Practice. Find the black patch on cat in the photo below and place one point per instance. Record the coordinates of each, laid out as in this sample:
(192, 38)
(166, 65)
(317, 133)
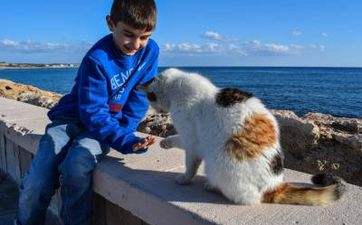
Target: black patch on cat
(340, 190)
(230, 96)
(151, 96)
(277, 163)
(326, 179)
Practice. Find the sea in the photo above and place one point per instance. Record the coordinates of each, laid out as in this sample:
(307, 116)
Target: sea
(335, 91)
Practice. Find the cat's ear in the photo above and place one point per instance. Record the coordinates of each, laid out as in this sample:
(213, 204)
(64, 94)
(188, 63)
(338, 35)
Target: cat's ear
(144, 86)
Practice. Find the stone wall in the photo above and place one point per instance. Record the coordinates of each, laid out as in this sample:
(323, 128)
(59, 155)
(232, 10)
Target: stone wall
(143, 185)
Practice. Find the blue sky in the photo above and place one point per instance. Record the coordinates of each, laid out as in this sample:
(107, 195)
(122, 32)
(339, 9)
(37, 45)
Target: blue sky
(193, 32)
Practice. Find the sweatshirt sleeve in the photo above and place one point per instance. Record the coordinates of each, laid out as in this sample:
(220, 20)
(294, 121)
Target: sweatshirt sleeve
(137, 104)
(94, 110)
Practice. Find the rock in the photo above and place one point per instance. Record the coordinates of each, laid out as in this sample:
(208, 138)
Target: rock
(333, 145)
(157, 124)
(297, 135)
(28, 94)
(339, 130)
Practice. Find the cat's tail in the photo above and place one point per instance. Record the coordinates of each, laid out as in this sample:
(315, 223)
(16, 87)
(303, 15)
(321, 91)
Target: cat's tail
(326, 189)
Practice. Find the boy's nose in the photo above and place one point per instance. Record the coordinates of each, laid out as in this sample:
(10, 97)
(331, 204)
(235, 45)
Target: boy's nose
(136, 44)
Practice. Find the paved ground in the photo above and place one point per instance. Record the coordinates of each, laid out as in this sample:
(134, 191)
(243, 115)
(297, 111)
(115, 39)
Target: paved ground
(9, 200)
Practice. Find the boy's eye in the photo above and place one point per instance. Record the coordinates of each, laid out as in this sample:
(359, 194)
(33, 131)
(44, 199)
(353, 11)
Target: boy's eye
(128, 35)
(151, 96)
(144, 38)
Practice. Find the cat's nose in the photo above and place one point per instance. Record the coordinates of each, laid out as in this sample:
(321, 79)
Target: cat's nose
(141, 87)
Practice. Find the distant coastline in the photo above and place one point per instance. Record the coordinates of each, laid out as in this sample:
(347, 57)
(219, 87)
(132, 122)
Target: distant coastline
(5, 65)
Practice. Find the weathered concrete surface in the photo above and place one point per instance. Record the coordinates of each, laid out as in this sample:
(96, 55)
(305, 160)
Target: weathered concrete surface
(144, 185)
(24, 123)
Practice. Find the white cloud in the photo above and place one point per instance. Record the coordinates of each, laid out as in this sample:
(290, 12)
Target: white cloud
(252, 44)
(208, 48)
(248, 48)
(30, 46)
(228, 46)
(214, 36)
(296, 33)
(324, 34)
(182, 48)
(255, 47)
(321, 48)
(277, 48)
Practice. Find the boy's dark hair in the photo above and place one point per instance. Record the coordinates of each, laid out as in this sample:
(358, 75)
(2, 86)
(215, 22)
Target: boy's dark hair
(139, 14)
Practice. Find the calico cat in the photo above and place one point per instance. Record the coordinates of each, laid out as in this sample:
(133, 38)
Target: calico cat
(238, 139)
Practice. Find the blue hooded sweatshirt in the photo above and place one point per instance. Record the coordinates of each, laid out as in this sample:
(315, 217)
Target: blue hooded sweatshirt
(104, 97)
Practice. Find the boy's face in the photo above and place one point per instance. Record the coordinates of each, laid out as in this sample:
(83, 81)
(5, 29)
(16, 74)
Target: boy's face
(127, 39)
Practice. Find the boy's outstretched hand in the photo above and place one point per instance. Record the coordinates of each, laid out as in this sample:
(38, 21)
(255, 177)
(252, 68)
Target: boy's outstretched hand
(144, 144)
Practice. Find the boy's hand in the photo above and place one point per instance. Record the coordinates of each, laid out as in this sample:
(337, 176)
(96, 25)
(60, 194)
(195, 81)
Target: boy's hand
(144, 143)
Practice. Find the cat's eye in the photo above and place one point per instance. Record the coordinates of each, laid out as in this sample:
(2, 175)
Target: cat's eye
(151, 96)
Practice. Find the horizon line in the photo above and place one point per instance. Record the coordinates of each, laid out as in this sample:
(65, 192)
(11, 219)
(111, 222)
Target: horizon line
(190, 66)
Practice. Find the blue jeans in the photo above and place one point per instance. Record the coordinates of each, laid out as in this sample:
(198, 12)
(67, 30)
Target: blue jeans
(66, 156)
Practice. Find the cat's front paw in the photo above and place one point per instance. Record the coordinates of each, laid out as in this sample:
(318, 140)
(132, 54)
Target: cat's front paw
(183, 180)
(166, 144)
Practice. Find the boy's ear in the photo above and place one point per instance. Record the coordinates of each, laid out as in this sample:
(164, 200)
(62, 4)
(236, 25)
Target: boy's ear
(110, 23)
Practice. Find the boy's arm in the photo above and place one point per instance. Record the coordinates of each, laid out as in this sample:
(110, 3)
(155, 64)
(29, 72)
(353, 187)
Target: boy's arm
(137, 104)
(94, 110)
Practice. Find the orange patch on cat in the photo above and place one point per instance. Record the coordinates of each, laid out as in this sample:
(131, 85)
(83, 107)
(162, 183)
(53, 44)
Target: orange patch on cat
(257, 134)
(288, 193)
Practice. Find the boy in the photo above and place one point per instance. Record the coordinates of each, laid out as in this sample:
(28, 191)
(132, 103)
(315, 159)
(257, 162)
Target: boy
(102, 111)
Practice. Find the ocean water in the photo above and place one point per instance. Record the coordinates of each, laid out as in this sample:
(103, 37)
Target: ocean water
(336, 91)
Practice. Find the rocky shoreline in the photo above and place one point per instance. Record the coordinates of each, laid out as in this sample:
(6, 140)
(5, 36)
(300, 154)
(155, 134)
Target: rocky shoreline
(28, 94)
(312, 143)
(5, 65)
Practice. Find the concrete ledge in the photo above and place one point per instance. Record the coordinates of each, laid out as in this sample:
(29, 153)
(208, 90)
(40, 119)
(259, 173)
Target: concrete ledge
(144, 184)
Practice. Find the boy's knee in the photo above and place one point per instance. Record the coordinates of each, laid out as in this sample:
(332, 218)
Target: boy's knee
(77, 166)
(90, 145)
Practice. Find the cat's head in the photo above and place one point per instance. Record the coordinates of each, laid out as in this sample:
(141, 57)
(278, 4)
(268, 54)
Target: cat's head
(159, 89)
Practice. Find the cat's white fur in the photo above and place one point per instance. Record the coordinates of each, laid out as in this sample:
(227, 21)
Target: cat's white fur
(203, 128)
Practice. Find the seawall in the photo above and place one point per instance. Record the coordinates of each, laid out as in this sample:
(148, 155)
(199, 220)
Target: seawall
(140, 189)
